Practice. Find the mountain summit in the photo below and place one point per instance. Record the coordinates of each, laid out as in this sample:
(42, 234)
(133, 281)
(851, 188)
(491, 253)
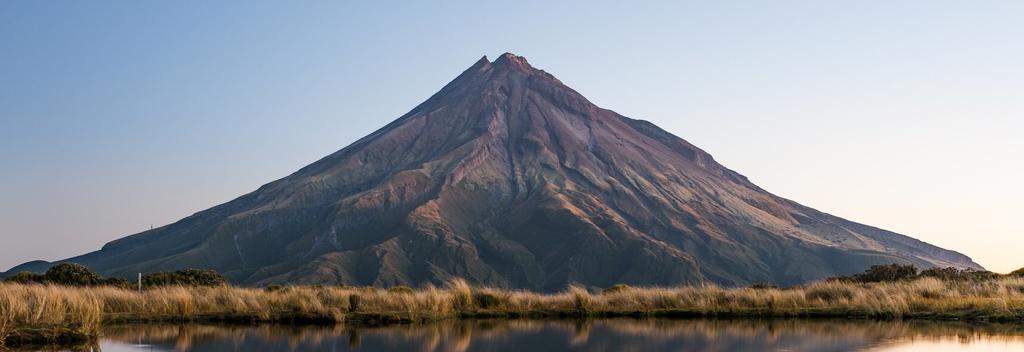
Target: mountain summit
(507, 177)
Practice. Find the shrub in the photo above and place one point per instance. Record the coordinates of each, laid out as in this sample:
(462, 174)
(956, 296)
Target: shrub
(71, 274)
(949, 273)
(486, 300)
(887, 273)
(615, 288)
(954, 274)
(115, 282)
(897, 272)
(404, 290)
(762, 286)
(273, 288)
(68, 274)
(25, 277)
(187, 277)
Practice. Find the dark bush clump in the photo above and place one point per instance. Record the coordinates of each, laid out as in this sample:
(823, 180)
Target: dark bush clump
(486, 300)
(762, 286)
(405, 290)
(71, 274)
(273, 288)
(1018, 272)
(25, 277)
(897, 272)
(187, 277)
(885, 273)
(954, 274)
(941, 273)
(615, 288)
(115, 282)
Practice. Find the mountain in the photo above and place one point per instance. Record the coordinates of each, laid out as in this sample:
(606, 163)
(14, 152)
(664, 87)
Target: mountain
(507, 177)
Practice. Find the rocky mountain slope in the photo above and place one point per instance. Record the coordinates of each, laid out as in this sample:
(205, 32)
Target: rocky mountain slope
(507, 177)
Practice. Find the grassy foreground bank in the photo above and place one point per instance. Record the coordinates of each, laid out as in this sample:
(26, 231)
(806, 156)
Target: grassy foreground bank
(47, 314)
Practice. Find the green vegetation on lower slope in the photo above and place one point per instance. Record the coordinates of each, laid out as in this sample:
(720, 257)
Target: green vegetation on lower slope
(71, 274)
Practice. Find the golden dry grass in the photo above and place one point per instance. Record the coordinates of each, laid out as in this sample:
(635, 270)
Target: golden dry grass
(35, 313)
(28, 309)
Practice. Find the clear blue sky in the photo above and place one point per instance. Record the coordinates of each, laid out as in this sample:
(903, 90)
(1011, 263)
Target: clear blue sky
(116, 115)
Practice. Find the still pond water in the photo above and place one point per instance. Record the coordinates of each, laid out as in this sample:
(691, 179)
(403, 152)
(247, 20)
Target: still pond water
(595, 335)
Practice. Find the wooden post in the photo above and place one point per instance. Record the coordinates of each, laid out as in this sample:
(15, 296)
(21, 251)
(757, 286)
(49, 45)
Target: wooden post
(140, 282)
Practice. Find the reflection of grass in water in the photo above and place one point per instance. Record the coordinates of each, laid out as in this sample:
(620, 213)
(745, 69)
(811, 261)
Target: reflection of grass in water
(185, 336)
(460, 335)
(27, 310)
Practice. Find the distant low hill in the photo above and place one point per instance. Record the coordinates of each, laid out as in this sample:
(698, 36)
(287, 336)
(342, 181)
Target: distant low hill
(507, 177)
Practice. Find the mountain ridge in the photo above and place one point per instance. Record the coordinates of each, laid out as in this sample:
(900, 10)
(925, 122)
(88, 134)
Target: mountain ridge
(507, 177)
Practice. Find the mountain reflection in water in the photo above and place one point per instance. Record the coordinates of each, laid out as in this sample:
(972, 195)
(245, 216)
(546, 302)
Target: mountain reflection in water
(590, 335)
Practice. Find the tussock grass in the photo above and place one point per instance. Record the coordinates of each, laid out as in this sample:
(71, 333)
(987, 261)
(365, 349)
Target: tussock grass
(36, 314)
(46, 313)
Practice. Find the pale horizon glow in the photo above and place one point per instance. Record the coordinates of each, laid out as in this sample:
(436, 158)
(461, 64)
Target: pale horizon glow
(117, 116)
